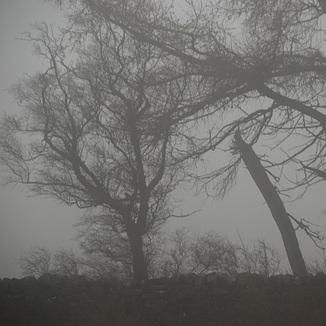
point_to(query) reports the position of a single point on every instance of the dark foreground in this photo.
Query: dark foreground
(187, 300)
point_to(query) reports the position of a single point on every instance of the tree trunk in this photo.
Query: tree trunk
(138, 259)
(275, 205)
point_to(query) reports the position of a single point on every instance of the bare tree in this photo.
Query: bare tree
(211, 252)
(267, 258)
(37, 262)
(260, 257)
(93, 134)
(175, 257)
(66, 262)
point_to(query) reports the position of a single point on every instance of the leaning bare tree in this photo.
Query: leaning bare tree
(274, 203)
(263, 66)
(91, 133)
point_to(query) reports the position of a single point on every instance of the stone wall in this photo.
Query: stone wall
(187, 300)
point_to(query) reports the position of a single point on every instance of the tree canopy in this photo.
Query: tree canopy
(262, 63)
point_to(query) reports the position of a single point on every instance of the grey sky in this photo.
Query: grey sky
(26, 222)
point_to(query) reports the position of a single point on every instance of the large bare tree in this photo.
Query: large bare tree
(91, 133)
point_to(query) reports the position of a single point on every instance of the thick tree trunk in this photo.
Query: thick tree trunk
(275, 205)
(138, 259)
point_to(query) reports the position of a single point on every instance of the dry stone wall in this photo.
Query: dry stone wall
(187, 300)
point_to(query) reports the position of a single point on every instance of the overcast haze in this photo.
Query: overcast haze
(26, 221)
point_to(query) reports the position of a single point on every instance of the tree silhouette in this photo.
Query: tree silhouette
(92, 134)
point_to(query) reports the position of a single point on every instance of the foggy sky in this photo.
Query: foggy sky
(27, 221)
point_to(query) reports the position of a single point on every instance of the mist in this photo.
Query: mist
(27, 221)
